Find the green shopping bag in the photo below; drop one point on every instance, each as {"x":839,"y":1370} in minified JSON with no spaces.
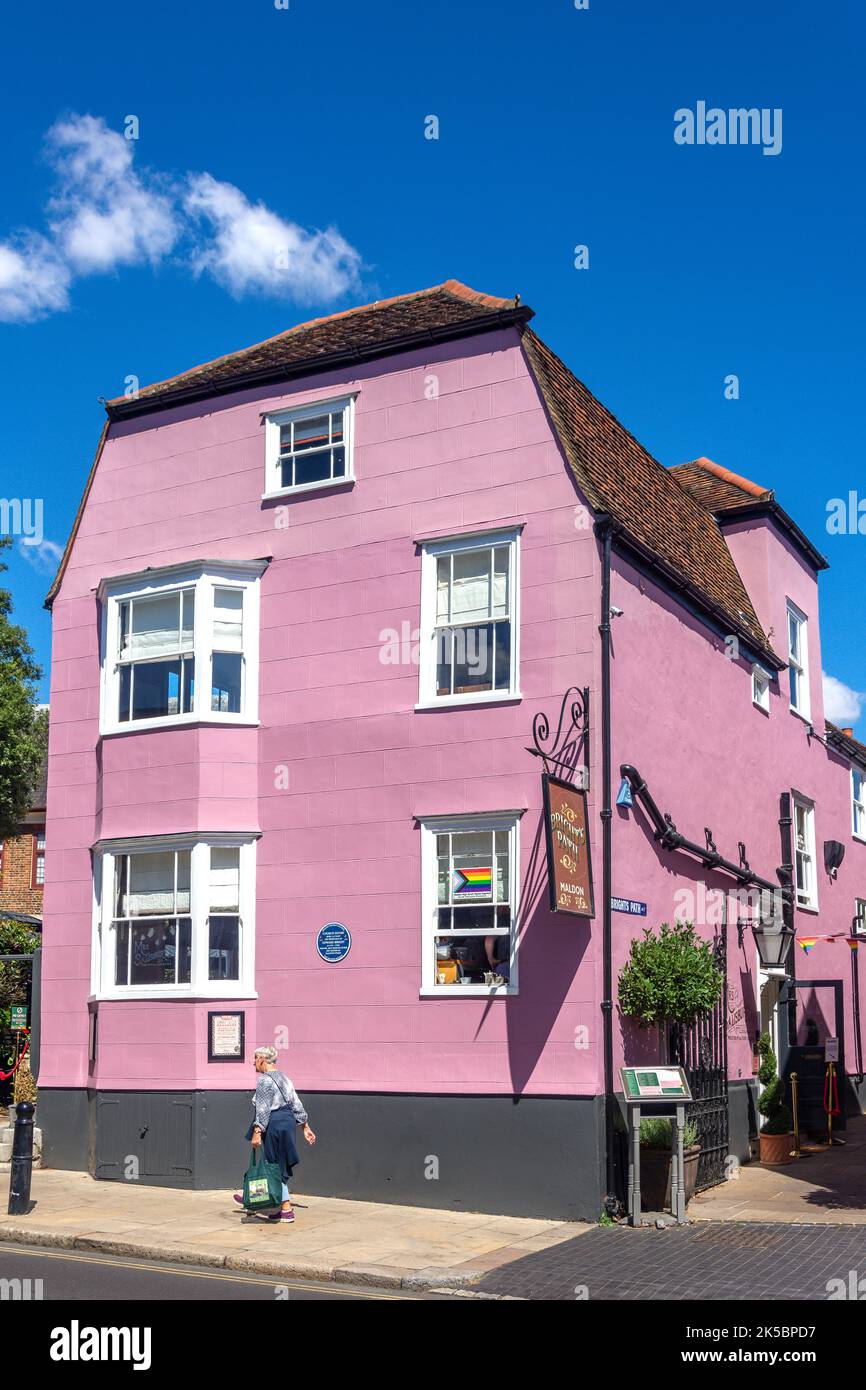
{"x":263,"y":1183}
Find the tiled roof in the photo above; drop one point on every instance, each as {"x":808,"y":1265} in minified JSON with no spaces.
{"x":732,"y":498}
{"x":716,"y":487}
{"x":653,"y":509}
{"x":619,"y":477}
{"x":846,"y":743}
{"x":445,"y":311}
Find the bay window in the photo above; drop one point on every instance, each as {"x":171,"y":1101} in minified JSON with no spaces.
{"x":180,"y":644}
{"x":175,"y":916}
{"x":469,"y":625}
{"x":469,"y":904}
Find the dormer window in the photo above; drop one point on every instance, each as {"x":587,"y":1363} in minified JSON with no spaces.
{"x":309,"y":448}
{"x":761,"y":688}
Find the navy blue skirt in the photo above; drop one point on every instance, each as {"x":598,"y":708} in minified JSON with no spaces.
{"x":278,"y":1140}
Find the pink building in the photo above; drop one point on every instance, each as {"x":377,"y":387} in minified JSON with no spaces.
{"x":316,"y":594}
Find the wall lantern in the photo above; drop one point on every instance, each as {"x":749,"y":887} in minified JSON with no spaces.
{"x":773,"y":940}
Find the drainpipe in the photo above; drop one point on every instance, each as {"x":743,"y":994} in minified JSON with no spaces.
{"x":605,"y":531}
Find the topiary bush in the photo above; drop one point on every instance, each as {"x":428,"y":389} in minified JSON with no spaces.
{"x":772,"y":1103}
{"x":669,"y":976}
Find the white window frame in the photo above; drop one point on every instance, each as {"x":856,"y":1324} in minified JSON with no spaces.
{"x":105,"y":857}
{"x":431,"y":826}
{"x":430,"y":553}
{"x":858,"y":806}
{"x":203,"y":577}
{"x":761,"y":688}
{"x":859,"y":927}
{"x":799,"y":661}
{"x":807,"y":901}
{"x":277,"y":418}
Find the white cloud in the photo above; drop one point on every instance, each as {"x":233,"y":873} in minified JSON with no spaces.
{"x":34,"y":281}
{"x":105,"y":213}
{"x":842,"y":705}
{"x":253,"y":250}
{"x":44,"y":555}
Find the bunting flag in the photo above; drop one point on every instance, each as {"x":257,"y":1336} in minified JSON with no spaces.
{"x":807,"y":942}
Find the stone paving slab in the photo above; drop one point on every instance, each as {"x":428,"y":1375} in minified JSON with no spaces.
{"x":828,"y":1186}
{"x":739,"y":1261}
{"x":331,"y":1238}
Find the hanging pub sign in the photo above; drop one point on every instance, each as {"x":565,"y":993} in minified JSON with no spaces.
{"x":568,"y":861}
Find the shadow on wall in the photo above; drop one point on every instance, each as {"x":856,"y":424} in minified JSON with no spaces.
{"x":546,"y":941}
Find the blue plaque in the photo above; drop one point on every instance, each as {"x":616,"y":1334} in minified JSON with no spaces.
{"x":333,"y":942}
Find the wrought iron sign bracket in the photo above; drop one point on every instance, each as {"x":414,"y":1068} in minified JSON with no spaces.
{"x":559,"y":754}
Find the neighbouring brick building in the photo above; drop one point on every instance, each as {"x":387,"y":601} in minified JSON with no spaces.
{"x":22,"y":860}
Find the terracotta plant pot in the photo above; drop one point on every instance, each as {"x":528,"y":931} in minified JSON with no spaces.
{"x":776,"y":1148}
{"x":655,"y":1177}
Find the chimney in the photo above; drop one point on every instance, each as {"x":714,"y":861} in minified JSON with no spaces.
{"x":849,"y":733}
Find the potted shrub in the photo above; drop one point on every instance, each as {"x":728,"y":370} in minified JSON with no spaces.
{"x":655,"y":1162}
{"x":669,"y":978}
{"x":775,"y":1136}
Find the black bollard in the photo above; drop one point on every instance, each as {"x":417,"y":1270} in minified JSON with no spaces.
{"x":22,"y":1160}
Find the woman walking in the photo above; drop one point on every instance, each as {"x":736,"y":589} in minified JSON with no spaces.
{"x":278,"y":1110}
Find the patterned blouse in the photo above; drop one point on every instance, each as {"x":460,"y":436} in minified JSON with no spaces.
{"x":273,"y":1091}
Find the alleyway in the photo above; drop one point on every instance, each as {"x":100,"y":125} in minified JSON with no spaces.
{"x":827,"y":1186}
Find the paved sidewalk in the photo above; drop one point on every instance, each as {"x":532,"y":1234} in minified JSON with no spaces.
{"x":331,"y":1238}
{"x":827,"y":1187}
{"x":737,"y":1262}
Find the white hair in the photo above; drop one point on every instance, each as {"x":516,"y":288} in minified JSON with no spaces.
{"x":269,"y":1053}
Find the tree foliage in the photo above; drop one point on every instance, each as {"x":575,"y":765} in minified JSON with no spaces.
{"x":669,"y":976}
{"x":16,"y":939}
{"x":22,"y":726}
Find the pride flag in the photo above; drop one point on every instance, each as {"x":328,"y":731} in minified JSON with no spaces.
{"x":473,"y":883}
{"x":807,"y":942}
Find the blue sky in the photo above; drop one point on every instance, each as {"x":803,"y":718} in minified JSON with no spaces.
{"x":556,"y":129}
